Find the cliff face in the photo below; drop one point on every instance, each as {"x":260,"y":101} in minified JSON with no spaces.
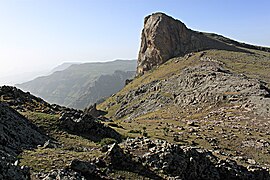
{"x":164,"y":37}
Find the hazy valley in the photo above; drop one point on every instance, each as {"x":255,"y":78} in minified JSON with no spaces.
{"x":80,"y":85}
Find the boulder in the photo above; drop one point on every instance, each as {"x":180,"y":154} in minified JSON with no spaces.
{"x":83,"y":167}
{"x":79,"y":123}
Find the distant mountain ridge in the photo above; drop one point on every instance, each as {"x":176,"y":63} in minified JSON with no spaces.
{"x":66,"y":87}
{"x":63,"y":66}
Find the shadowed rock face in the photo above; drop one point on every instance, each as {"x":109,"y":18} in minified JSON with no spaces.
{"x":16,"y":134}
{"x":164,"y":37}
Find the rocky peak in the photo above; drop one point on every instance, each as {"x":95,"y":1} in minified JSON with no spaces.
{"x":164,"y":37}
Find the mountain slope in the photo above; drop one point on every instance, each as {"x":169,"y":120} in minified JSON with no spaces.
{"x":66,"y":87}
{"x":203,"y":115}
{"x":202,"y":100}
{"x":207,"y":98}
{"x":102,"y":88}
{"x":16,"y":134}
{"x":62,"y":67}
{"x":70,"y":134}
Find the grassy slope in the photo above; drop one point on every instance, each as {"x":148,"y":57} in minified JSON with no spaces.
{"x":170,"y":123}
{"x":255,"y":65}
{"x":73,"y":147}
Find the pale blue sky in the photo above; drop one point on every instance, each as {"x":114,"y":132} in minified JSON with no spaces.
{"x":40,"y":34}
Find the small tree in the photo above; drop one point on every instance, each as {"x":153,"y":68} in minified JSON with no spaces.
{"x":144,"y":133}
{"x":165,"y":131}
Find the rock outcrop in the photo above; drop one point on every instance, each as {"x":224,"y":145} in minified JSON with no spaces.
{"x":157,"y":159}
{"x":93,"y":111}
{"x":181,"y":162}
{"x":77,"y":122}
{"x":61,"y":174}
{"x":24,"y":101}
{"x":164,"y":37}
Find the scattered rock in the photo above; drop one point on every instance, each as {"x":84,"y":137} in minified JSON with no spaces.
{"x":59,"y":174}
{"x":188,"y":163}
{"x":201,"y":86}
{"x":251,"y":161}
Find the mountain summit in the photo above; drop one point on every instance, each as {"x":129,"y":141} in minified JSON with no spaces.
{"x":164,"y":37}
{"x":201,"y":90}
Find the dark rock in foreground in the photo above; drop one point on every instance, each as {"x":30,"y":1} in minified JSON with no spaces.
{"x":158,"y":159}
{"x":181,"y":162}
{"x":16,"y":134}
{"x":12,"y":171}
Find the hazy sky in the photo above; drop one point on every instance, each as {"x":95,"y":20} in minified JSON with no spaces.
{"x":39,"y":34}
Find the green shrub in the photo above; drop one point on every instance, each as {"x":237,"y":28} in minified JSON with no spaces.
{"x":135,"y":131}
{"x":107,"y":141}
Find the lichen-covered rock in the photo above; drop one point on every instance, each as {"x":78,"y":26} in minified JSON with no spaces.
{"x":116,"y":156}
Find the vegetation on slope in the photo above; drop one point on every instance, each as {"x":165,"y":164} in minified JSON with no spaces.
{"x":213,"y":127}
{"x":70,"y":146}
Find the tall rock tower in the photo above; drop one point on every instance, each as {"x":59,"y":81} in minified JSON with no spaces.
{"x":164,"y":37}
